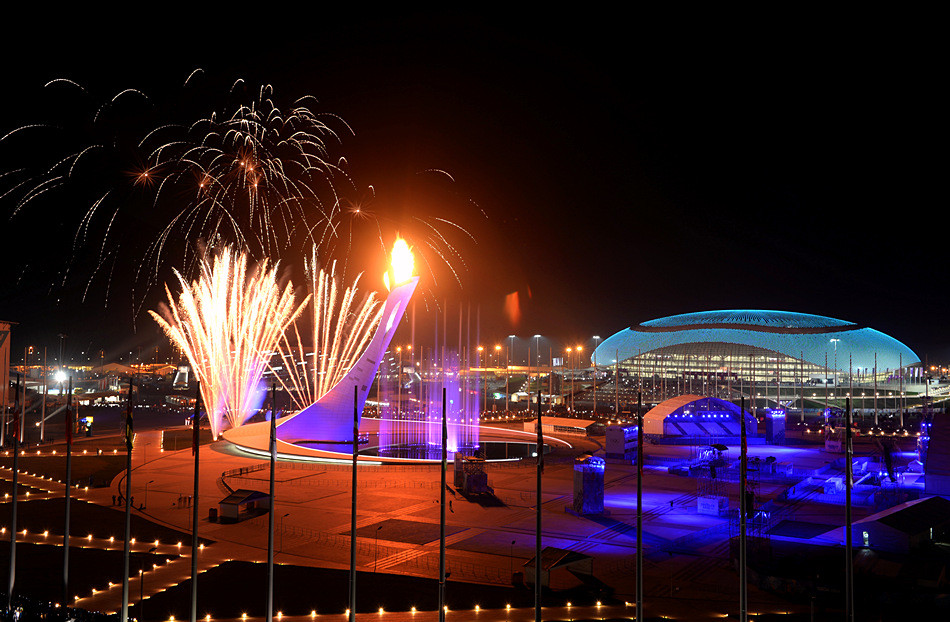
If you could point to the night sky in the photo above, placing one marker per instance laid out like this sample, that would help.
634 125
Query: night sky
612 168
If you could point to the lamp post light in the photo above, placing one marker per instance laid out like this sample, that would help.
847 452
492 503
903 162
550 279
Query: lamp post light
570 364
594 411
835 342
481 366
511 345
399 386
537 366
497 361
577 353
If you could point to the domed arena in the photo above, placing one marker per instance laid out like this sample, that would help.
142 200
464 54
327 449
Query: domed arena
725 353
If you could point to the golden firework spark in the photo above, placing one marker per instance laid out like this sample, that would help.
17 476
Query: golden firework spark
228 322
341 328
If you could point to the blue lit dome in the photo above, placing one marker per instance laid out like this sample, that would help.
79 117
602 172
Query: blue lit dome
735 334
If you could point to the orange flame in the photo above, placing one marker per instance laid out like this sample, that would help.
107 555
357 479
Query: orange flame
401 264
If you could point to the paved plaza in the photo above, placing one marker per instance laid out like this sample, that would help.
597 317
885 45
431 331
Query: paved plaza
487 539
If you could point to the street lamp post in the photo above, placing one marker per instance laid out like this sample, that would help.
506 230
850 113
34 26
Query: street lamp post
45 392
835 341
494 402
511 345
577 352
537 366
570 365
482 367
594 411
399 387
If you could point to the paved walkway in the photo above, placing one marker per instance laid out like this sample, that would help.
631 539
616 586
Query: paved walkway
486 540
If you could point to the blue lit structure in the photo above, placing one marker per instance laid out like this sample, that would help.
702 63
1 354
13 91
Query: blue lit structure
746 342
696 416
621 442
589 485
775 426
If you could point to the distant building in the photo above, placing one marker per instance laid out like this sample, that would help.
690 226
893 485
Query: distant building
717 353
905 527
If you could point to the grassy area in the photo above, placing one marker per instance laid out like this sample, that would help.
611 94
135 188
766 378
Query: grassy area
88 518
6 487
217 596
39 573
90 469
173 440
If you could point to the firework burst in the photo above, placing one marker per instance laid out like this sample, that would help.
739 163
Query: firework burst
228 322
255 175
157 181
152 180
341 329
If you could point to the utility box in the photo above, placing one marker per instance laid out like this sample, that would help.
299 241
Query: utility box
712 505
589 485
470 475
775 426
834 485
622 443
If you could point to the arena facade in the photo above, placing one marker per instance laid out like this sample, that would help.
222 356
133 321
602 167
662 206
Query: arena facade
755 346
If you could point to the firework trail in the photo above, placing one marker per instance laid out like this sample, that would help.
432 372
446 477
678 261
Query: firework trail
440 244
228 322
158 182
257 176
156 179
341 329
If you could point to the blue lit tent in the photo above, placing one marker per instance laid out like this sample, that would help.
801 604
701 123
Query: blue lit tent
694 415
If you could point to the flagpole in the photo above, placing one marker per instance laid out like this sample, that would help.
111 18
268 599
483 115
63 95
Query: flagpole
537 532
639 506
445 445
743 588
875 389
45 391
194 507
617 385
849 568
22 420
13 508
356 446
273 507
128 505
69 474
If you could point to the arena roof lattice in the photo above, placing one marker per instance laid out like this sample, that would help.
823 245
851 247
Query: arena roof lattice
795 335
